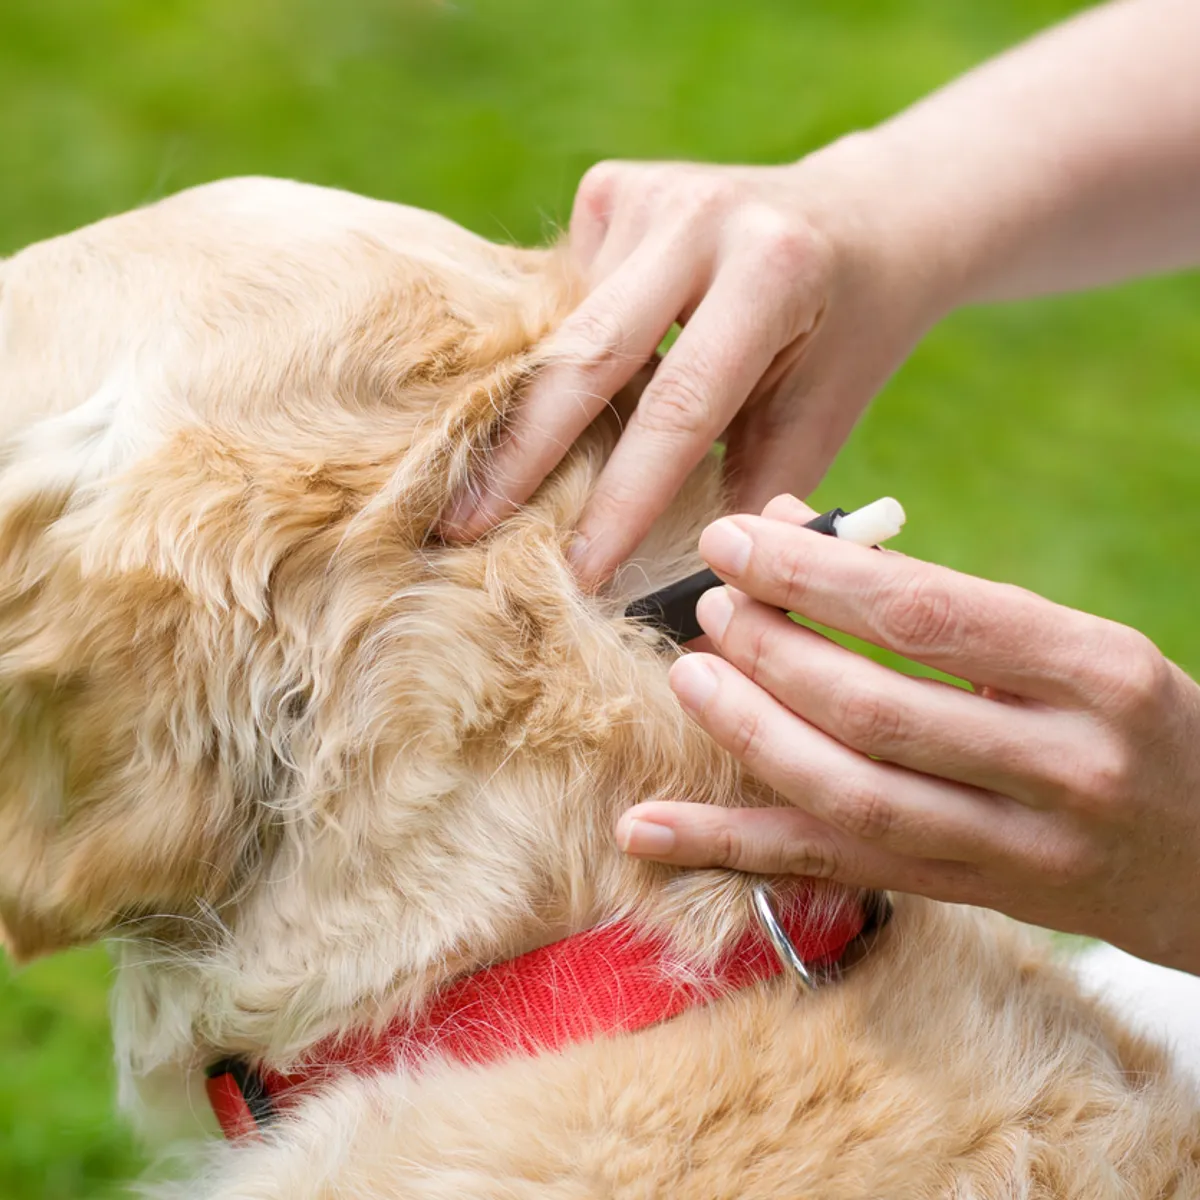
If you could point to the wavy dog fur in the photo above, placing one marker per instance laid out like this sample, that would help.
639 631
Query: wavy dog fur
303 764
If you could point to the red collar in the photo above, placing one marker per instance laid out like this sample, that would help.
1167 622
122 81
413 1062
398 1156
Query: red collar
612 979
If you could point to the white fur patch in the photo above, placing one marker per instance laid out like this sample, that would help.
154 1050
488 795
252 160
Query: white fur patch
1161 1003
89 442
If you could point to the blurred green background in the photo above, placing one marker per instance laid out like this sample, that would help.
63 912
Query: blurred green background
1054 444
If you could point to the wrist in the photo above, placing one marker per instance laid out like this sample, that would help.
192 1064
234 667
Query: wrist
885 225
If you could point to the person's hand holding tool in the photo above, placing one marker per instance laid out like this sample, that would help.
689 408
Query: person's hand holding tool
1064 790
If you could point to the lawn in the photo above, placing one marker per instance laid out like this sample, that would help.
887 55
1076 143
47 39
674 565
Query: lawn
1055 444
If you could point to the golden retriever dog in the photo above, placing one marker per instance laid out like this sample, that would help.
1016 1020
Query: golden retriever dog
308 768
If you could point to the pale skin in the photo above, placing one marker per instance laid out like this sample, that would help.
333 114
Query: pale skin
1065 789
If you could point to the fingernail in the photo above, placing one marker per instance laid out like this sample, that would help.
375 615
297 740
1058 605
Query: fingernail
457 516
693 681
725 547
644 838
713 611
581 558
577 550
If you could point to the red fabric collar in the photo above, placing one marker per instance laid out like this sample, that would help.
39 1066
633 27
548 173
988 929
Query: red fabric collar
612 979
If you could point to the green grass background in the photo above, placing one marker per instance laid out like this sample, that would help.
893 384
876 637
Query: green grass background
1054 444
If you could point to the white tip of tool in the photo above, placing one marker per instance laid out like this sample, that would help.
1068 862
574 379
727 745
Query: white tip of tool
873 523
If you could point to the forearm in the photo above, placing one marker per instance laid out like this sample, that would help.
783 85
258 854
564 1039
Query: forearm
1071 161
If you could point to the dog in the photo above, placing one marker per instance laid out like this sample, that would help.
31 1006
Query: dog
314 772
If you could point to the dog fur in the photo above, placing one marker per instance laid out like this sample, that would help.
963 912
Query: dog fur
302 763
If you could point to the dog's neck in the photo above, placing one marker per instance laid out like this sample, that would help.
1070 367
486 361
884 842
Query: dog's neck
613 979
479 828
306 959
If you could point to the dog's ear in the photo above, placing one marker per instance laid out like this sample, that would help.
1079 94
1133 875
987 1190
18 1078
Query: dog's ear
143 670
146 675
462 363
445 456
117 801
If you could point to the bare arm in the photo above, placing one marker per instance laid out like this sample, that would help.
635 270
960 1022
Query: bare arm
1070 161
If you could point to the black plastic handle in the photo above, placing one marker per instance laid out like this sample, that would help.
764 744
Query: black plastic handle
673 608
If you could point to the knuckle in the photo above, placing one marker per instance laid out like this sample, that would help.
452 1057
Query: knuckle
674 404
608 507
1133 674
593 335
788 245
597 188
862 811
1065 861
920 615
866 721
703 195
747 737
1058 778
814 860
739 849
1108 777
728 847
794 572
658 191
751 646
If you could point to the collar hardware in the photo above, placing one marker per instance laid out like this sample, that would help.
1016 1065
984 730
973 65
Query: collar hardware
772 927
613 979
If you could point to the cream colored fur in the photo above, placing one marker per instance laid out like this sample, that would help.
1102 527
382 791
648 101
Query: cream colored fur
302 763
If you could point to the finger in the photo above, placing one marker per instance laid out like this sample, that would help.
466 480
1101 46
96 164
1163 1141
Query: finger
872 802
782 841
916 723
597 350
702 382
992 633
794 429
807 404
779 437
595 201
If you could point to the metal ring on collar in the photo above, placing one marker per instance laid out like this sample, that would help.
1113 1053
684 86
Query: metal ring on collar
768 918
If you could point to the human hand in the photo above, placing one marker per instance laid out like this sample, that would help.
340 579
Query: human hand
798 298
1064 791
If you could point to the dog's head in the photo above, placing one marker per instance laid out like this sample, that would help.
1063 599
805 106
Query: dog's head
241 682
